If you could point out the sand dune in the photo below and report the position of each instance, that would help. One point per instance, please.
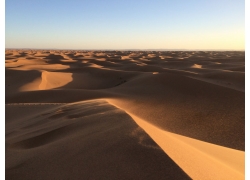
(187, 106)
(83, 140)
(124, 114)
(202, 160)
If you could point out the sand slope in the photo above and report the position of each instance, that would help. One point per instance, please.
(200, 160)
(124, 114)
(90, 140)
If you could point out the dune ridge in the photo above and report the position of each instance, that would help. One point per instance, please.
(125, 114)
(200, 160)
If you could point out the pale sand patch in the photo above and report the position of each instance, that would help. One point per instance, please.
(95, 65)
(126, 58)
(196, 66)
(31, 86)
(51, 80)
(68, 60)
(41, 67)
(48, 80)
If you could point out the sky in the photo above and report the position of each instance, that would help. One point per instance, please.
(125, 24)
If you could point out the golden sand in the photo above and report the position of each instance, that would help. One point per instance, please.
(124, 115)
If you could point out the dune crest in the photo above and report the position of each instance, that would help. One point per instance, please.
(51, 80)
(200, 160)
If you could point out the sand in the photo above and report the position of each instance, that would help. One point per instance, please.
(124, 114)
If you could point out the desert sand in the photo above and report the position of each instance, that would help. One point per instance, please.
(74, 114)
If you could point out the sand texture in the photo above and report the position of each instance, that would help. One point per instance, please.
(124, 115)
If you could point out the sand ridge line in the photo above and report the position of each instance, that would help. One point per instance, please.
(189, 153)
(219, 83)
(32, 104)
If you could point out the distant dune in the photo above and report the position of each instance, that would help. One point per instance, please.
(73, 114)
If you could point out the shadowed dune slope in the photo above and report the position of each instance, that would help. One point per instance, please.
(91, 139)
(187, 106)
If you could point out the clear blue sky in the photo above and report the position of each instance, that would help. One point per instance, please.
(125, 24)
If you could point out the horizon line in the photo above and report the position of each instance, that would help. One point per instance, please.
(126, 49)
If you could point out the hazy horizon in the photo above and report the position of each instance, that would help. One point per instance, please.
(125, 49)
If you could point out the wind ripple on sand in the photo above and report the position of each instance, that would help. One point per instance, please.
(95, 139)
